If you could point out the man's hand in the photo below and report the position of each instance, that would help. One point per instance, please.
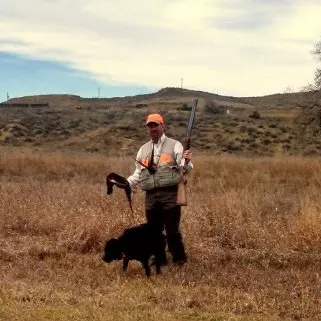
(187, 155)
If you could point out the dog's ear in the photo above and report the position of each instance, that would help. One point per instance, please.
(111, 241)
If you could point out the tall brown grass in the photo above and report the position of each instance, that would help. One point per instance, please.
(252, 230)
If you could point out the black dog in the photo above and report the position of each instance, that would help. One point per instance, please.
(137, 243)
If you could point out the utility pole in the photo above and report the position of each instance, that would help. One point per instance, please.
(181, 83)
(98, 92)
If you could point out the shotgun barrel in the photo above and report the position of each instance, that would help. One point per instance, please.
(181, 193)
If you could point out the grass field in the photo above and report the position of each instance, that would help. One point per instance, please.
(252, 230)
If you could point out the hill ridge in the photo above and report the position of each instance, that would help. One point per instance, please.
(267, 125)
(169, 92)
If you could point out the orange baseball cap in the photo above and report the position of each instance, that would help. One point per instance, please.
(155, 118)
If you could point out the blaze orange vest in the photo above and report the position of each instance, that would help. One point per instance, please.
(167, 171)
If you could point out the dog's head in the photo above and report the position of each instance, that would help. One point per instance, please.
(112, 251)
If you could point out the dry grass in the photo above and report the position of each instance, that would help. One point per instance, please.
(252, 230)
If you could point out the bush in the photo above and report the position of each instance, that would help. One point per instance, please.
(185, 107)
(215, 108)
(255, 115)
(267, 141)
(141, 105)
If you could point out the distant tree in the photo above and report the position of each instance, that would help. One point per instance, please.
(317, 78)
(317, 50)
(288, 90)
(308, 87)
(317, 75)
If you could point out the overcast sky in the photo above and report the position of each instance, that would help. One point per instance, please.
(127, 47)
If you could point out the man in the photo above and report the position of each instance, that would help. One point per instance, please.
(157, 173)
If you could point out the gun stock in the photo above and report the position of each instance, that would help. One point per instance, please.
(181, 191)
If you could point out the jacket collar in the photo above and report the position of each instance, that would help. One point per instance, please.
(160, 141)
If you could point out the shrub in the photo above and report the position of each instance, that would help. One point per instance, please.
(215, 108)
(141, 105)
(185, 107)
(255, 115)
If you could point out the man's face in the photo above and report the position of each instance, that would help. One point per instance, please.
(155, 131)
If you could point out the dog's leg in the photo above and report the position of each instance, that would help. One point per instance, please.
(160, 259)
(163, 257)
(158, 264)
(146, 267)
(125, 263)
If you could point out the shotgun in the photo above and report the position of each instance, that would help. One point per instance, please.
(181, 193)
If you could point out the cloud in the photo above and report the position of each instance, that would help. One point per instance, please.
(232, 47)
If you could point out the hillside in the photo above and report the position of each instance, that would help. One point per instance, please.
(267, 125)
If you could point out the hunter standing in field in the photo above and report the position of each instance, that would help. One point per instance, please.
(157, 173)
